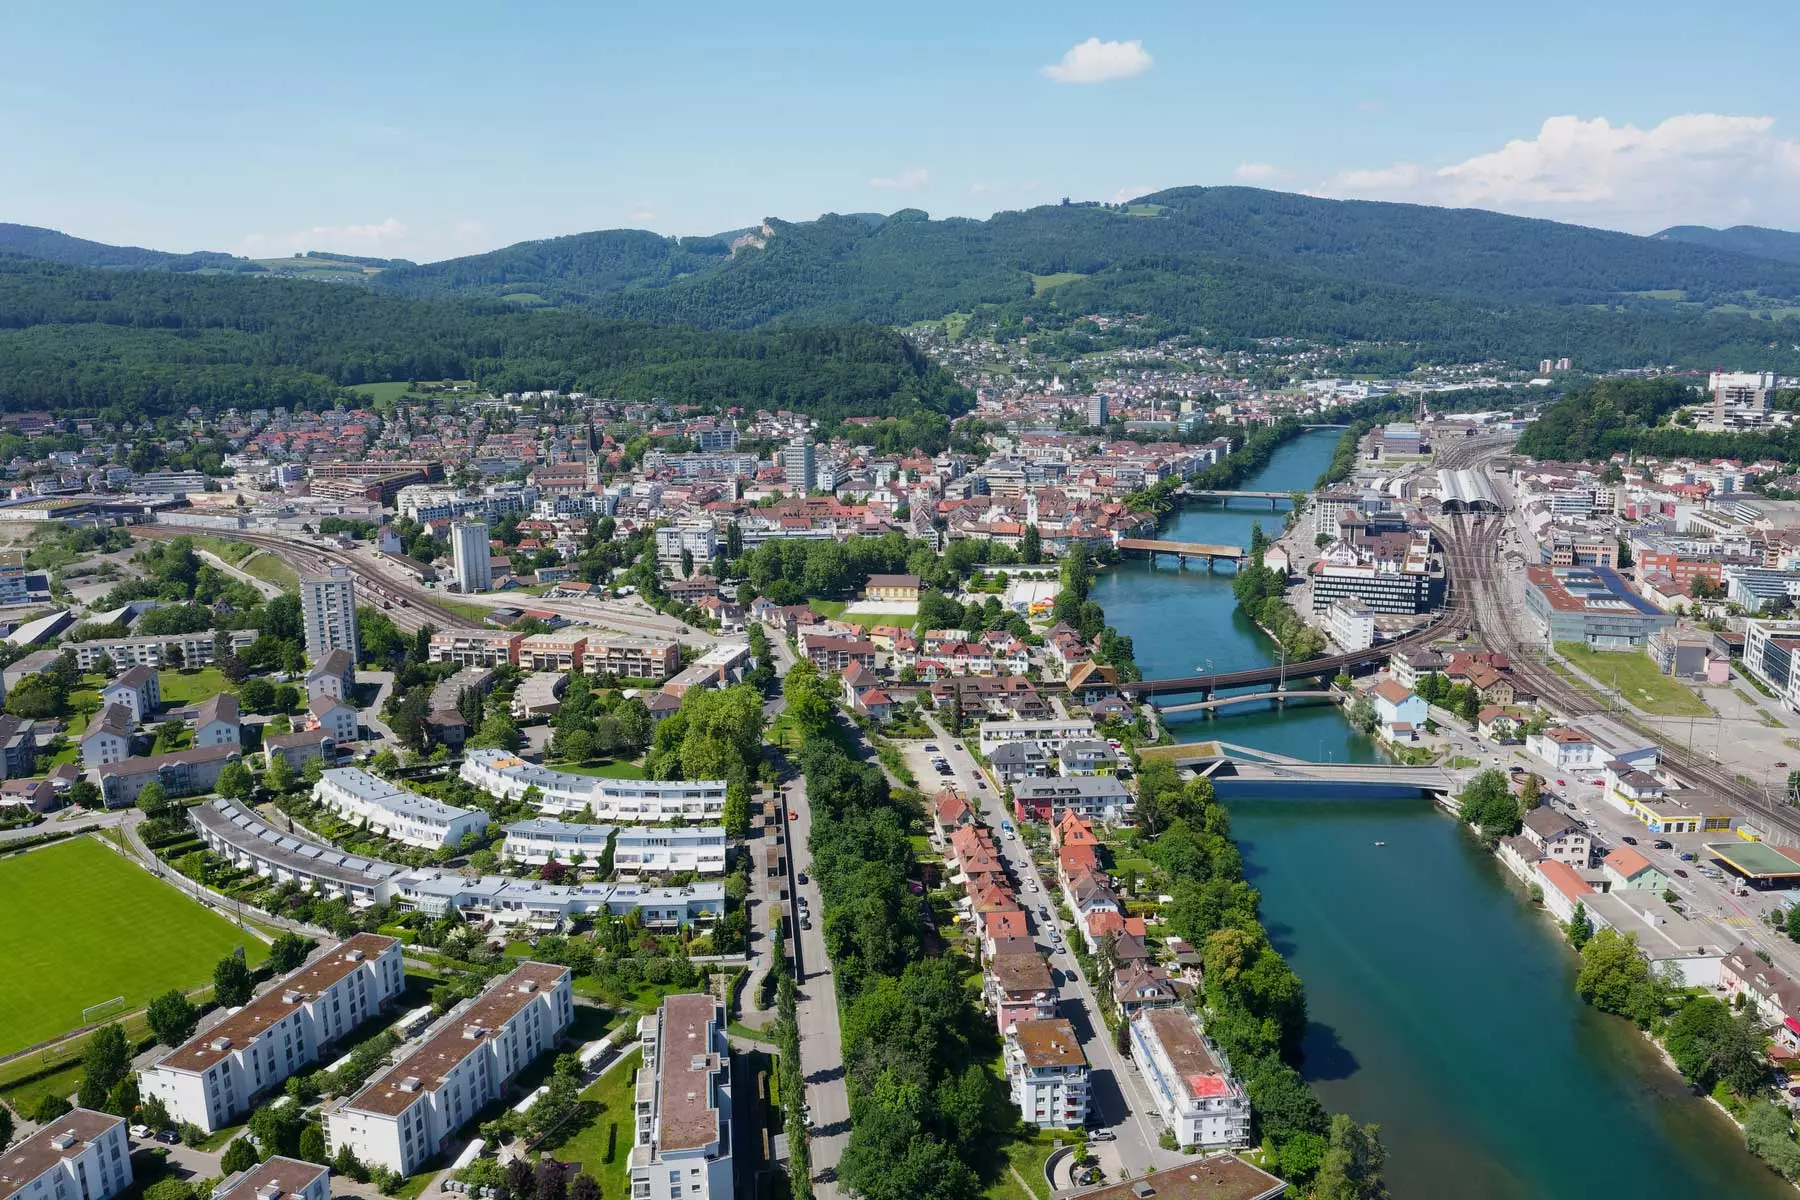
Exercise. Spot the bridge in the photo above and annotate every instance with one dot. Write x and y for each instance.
(1182, 551)
(1243, 771)
(1224, 496)
(1244, 698)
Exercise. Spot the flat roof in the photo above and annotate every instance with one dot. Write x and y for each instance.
(1048, 1043)
(686, 1064)
(1179, 1032)
(243, 830)
(458, 1035)
(39, 1152)
(1755, 860)
(248, 1023)
(373, 790)
(1217, 1177)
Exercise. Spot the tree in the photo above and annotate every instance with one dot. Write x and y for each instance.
(236, 781)
(105, 1063)
(1710, 1046)
(1362, 714)
(1354, 1158)
(232, 985)
(239, 1156)
(288, 952)
(154, 1113)
(1769, 1134)
(39, 697)
(1615, 978)
(6, 1126)
(84, 794)
(312, 1143)
(1487, 803)
(1031, 546)
(1793, 922)
(170, 1189)
(585, 1186)
(153, 799)
(1580, 927)
(172, 1018)
(49, 1107)
(280, 775)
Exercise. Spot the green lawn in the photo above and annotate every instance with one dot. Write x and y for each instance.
(1637, 679)
(381, 391)
(1043, 283)
(231, 552)
(269, 569)
(475, 614)
(608, 770)
(833, 610)
(1027, 1155)
(191, 687)
(83, 926)
(601, 1141)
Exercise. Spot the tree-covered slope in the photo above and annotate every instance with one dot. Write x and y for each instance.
(31, 241)
(1778, 244)
(144, 343)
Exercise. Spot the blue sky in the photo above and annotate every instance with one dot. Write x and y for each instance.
(429, 130)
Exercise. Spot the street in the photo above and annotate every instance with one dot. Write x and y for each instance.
(1117, 1098)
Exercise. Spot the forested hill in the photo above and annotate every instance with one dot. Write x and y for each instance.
(1778, 244)
(30, 241)
(135, 343)
(908, 267)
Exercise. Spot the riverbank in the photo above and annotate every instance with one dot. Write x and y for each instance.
(1433, 1008)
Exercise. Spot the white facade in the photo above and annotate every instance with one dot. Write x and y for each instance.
(82, 1155)
(682, 1144)
(1048, 733)
(1351, 624)
(510, 901)
(1048, 1073)
(404, 816)
(541, 839)
(698, 538)
(469, 548)
(406, 1115)
(640, 800)
(799, 468)
(328, 612)
(1196, 1095)
(213, 1078)
(154, 652)
(1565, 750)
(670, 850)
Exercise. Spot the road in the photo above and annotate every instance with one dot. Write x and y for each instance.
(1117, 1097)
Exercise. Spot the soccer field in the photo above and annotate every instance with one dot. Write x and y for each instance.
(79, 925)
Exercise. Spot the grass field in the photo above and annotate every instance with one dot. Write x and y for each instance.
(269, 569)
(1043, 283)
(191, 687)
(1637, 680)
(231, 552)
(601, 1141)
(608, 770)
(474, 614)
(381, 391)
(834, 610)
(83, 926)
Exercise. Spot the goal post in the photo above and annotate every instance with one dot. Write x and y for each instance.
(95, 1012)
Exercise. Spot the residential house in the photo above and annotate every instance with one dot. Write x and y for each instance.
(1626, 869)
(1565, 749)
(81, 1155)
(1019, 987)
(1400, 712)
(107, 739)
(217, 722)
(334, 717)
(138, 689)
(1201, 1103)
(1771, 992)
(1138, 985)
(1048, 1073)
(301, 747)
(1563, 889)
(1556, 837)
(333, 675)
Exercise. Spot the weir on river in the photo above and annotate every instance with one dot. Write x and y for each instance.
(1442, 1004)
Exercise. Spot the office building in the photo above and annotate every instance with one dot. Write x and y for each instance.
(410, 1112)
(1739, 392)
(394, 812)
(1591, 605)
(1351, 623)
(799, 469)
(1404, 586)
(1096, 412)
(328, 612)
(1199, 1100)
(682, 1144)
(469, 549)
(1769, 654)
(213, 1078)
(81, 1155)
(1048, 1073)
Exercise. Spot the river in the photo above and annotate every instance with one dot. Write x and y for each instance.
(1442, 1004)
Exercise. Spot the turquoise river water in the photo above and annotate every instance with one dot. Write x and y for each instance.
(1442, 1003)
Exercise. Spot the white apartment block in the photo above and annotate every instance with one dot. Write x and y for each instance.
(636, 800)
(1048, 1073)
(405, 816)
(669, 850)
(1351, 623)
(698, 538)
(154, 652)
(408, 1114)
(469, 551)
(1049, 733)
(82, 1155)
(278, 1179)
(541, 839)
(548, 906)
(632, 658)
(1190, 1080)
(682, 1147)
(328, 612)
(213, 1078)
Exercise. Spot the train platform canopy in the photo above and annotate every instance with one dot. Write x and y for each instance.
(1467, 492)
(1758, 860)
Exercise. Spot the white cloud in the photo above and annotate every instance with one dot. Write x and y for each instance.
(642, 214)
(982, 189)
(1256, 172)
(1133, 192)
(1095, 61)
(390, 234)
(909, 180)
(1696, 168)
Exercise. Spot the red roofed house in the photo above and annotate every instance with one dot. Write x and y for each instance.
(1627, 869)
(1563, 888)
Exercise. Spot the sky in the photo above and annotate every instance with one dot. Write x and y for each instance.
(428, 131)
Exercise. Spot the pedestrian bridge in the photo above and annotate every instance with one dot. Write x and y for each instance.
(1170, 710)
(1182, 551)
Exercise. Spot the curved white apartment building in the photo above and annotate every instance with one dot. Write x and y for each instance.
(642, 800)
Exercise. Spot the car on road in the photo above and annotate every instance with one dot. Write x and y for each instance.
(793, 815)
(169, 1137)
(1660, 844)
(803, 877)
(140, 1131)
(931, 747)
(959, 745)
(1686, 856)
(1562, 783)
(1681, 872)
(1102, 1135)
(1629, 840)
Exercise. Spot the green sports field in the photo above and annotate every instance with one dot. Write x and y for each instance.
(81, 925)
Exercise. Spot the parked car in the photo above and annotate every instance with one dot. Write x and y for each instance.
(1681, 872)
(169, 1137)
(1629, 840)
(1660, 844)
(793, 814)
(140, 1131)
(802, 877)
(1687, 856)
(1102, 1135)
(931, 747)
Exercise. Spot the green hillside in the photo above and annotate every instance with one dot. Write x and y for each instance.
(1778, 244)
